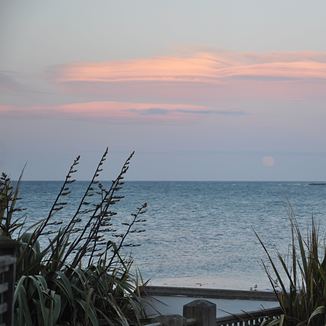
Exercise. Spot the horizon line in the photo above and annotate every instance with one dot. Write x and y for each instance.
(199, 180)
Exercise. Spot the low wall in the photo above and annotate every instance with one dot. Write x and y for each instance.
(170, 300)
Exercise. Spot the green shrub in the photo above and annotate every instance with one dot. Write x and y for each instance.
(80, 277)
(301, 284)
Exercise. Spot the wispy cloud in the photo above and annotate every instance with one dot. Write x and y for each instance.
(135, 110)
(195, 68)
(201, 67)
(214, 112)
(206, 84)
(5, 108)
(126, 109)
(119, 110)
(162, 111)
(8, 83)
(212, 79)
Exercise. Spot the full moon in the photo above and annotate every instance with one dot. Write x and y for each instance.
(268, 161)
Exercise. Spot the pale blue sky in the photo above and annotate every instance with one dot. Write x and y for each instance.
(202, 90)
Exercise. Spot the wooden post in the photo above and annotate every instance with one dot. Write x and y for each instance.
(8, 250)
(203, 311)
(170, 320)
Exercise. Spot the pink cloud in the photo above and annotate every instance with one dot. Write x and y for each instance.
(202, 67)
(197, 68)
(114, 110)
(111, 109)
(5, 108)
(215, 79)
(172, 88)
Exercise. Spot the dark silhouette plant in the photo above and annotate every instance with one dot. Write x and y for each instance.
(82, 276)
(300, 286)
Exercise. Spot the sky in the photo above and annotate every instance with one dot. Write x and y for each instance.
(201, 90)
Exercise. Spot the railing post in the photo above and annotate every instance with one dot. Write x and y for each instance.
(203, 311)
(8, 249)
(170, 320)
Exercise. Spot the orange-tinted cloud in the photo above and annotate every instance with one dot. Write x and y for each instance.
(196, 68)
(165, 88)
(201, 67)
(117, 110)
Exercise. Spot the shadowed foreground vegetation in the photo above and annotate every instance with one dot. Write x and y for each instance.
(71, 269)
(80, 276)
(300, 283)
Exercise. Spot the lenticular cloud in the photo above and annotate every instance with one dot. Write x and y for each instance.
(200, 67)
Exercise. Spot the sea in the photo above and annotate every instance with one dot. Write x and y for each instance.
(200, 234)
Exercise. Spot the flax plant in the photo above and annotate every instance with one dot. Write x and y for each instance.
(300, 285)
(81, 277)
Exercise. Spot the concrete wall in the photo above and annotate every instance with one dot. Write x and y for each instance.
(233, 302)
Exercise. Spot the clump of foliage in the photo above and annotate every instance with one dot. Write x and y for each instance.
(300, 284)
(80, 277)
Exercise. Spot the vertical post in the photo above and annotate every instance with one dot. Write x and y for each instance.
(203, 311)
(8, 249)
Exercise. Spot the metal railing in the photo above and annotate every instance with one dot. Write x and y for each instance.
(202, 312)
(176, 321)
(249, 318)
(252, 318)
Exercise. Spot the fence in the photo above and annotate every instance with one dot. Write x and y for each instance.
(203, 313)
(7, 280)
(195, 313)
(249, 318)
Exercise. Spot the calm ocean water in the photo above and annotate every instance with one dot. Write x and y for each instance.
(202, 232)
